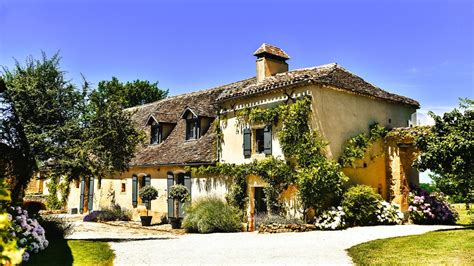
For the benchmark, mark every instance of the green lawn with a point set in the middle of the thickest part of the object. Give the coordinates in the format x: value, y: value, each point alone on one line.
x: 464, y: 217
x: 452, y: 247
x: 74, y: 252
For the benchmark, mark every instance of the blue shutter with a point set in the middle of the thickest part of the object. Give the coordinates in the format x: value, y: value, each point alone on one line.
x: 247, y: 146
x: 267, y: 140
x: 187, y: 184
x: 147, y: 183
x: 91, y: 194
x: 169, y: 183
x: 134, y: 191
x: 81, y: 200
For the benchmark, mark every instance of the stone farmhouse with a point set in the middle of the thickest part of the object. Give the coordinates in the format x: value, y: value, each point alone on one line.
x: 180, y: 133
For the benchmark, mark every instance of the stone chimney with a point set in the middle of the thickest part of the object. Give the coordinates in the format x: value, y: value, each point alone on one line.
x: 270, y: 61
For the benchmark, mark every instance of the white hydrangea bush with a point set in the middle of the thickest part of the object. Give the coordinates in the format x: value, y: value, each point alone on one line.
x: 389, y: 213
x: 332, y: 219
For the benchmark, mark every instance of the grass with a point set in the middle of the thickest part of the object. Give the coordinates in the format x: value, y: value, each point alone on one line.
x: 453, y: 247
x: 74, y: 252
x: 464, y: 217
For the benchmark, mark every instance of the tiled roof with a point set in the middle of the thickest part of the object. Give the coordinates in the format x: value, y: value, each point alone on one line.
x: 330, y: 74
x: 272, y: 50
x: 175, y: 149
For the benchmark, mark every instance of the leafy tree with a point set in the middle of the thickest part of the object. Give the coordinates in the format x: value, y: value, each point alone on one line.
x: 130, y: 94
x: 448, y: 151
x: 79, y: 131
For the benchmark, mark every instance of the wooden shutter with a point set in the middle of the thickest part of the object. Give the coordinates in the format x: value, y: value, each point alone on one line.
x: 81, y: 200
x: 134, y: 191
x: 247, y: 146
x: 169, y: 183
x: 91, y: 194
x: 147, y: 183
x: 267, y: 140
x: 187, y: 184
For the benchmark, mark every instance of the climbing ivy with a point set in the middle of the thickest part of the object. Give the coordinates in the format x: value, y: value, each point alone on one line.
x: 54, y: 186
x: 306, y: 164
x: 356, y: 146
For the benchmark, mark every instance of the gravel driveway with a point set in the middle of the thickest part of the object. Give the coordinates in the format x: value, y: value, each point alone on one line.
x: 317, y: 247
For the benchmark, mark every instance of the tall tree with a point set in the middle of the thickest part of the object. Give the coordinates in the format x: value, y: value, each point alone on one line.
x: 131, y: 94
x: 80, y: 131
x: 448, y: 151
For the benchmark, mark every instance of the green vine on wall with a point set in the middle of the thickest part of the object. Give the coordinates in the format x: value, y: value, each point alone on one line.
x: 357, y: 146
x: 306, y: 164
x: 54, y: 185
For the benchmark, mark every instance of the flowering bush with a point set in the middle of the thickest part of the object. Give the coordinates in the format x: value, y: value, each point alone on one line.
x: 30, y: 233
x: 431, y: 208
x: 332, y: 219
x: 388, y: 213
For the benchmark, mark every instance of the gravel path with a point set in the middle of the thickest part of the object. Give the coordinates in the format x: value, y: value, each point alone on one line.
x: 317, y: 247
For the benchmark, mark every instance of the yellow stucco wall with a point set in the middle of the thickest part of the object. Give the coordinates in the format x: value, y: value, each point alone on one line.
x: 337, y: 115
x: 200, y: 186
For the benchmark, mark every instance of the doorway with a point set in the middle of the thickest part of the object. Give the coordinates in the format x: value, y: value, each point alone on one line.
x: 259, y: 201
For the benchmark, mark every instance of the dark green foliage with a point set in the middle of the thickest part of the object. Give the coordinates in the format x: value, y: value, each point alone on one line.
x: 148, y: 193
x: 80, y: 134
x: 448, y: 151
x: 130, y: 94
x: 179, y: 192
x: 211, y: 214
x: 356, y: 146
x: 321, y: 186
x: 360, y: 203
x: 428, y: 187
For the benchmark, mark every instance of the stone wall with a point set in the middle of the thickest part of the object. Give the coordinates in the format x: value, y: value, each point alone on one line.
x: 285, y: 228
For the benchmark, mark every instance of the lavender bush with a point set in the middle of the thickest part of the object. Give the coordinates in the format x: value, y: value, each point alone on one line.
x: 30, y: 234
x: 332, y: 219
x: 431, y: 208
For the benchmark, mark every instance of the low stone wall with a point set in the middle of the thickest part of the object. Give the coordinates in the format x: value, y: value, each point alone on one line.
x: 284, y: 228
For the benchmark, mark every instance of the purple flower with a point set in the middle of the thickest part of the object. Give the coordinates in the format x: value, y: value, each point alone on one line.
x: 26, y: 256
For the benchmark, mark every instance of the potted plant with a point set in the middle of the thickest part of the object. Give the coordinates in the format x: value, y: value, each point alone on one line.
x: 147, y: 194
x: 179, y: 193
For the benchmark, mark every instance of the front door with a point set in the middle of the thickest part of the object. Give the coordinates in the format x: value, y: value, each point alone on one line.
x: 175, y: 179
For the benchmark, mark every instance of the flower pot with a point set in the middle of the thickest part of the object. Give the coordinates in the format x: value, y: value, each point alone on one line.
x: 175, y: 223
x: 146, y: 220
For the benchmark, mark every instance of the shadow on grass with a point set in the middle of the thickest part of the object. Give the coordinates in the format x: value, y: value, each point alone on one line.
x: 463, y: 227
x: 57, y: 253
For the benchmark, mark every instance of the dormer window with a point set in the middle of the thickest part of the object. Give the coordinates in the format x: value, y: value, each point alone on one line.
x: 192, y: 128
x: 155, y: 136
x: 159, y: 131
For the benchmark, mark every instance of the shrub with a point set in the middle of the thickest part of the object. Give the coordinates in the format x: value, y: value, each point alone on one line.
x: 148, y: 193
x: 322, y: 186
x: 388, y: 213
x: 211, y: 214
x: 431, y: 208
x: 114, y: 213
x: 91, y: 217
x: 360, y: 203
x: 30, y: 233
x: 179, y: 192
x: 332, y: 219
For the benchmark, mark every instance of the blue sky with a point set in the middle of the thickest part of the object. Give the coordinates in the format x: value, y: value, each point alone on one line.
x: 420, y: 49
